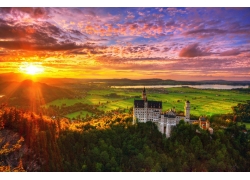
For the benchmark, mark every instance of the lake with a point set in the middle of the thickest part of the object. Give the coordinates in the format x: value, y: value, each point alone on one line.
x: 204, y: 86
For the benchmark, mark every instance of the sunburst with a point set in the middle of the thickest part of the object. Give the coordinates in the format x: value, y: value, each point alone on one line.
x: 32, y: 69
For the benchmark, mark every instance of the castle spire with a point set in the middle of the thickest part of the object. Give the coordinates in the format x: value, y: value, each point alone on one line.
x: 144, y: 96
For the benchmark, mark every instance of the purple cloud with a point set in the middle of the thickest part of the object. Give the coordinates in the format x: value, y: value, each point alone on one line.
x: 193, y: 50
x: 33, y: 12
x: 232, y: 52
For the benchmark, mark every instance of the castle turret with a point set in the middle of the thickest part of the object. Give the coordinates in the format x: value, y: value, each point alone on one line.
x: 161, y: 124
x: 187, y: 110
x: 144, y: 96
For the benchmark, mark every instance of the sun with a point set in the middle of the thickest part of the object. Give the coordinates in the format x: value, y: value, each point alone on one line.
x: 32, y: 69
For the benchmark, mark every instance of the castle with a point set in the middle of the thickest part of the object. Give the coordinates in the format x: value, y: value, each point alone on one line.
x: 145, y: 110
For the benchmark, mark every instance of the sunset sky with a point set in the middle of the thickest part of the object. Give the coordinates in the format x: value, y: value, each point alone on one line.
x: 135, y: 43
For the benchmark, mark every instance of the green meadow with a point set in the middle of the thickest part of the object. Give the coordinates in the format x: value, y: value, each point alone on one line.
x: 247, y: 125
x: 203, y: 101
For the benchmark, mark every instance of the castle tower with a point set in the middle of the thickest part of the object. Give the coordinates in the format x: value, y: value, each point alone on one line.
x: 187, y: 110
x: 161, y: 124
x: 144, y: 96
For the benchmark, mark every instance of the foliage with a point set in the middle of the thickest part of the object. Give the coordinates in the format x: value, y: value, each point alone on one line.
x: 112, y: 143
x: 242, y: 112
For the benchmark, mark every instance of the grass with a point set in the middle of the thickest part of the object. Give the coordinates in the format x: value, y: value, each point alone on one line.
x: 60, y: 102
x: 247, y: 126
x: 203, y: 102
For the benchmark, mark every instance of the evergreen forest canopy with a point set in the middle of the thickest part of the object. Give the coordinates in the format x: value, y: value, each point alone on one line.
x: 242, y: 111
x: 112, y: 143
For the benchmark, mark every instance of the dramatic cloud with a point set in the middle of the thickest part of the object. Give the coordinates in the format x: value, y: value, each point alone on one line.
x: 37, y: 12
x: 206, y: 31
x: 193, y: 50
x: 233, y: 52
x: 57, y: 46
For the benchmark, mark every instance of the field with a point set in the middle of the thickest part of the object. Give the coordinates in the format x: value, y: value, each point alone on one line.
x: 203, y: 102
x: 247, y: 125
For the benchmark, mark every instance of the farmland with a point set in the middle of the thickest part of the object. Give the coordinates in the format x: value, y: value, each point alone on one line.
x: 203, y: 101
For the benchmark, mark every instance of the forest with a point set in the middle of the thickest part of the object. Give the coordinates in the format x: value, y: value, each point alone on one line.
x: 111, y: 143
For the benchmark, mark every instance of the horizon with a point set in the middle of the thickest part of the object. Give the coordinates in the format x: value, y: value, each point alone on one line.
x: 181, y: 44
x: 36, y: 78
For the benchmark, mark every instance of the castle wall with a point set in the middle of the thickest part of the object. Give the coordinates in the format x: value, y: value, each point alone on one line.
x: 147, y: 114
x: 154, y: 115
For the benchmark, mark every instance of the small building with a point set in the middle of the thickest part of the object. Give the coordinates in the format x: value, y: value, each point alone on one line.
x: 205, y: 124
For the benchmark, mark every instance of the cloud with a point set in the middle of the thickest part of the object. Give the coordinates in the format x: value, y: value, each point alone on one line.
x: 193, y: 50
x: 92, y: 13
x: 8, y: 31
x: 232, y: 52
x: 39, y: 36
x: 33, y: 12
x: 38, y: 32
x: 75, y: 32
x: 166, y: 49
x: 172, y: 11
x: 56, y: 46
x: 39, y: 12
x: 206, y: 32
x: 50, y: 29
x: 141, y: 13
x: 130, y: 15
x: 154, y: 49
x: 170, y: 23
x: 14, y: 45
x: 232, y: 28
x: 3, y: 53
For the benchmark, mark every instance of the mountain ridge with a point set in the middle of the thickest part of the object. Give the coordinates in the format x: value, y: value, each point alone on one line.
x: 19, y: 77
x: 31, y: 95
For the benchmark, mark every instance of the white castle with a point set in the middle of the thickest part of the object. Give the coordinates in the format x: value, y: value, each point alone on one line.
x: 145, y: 110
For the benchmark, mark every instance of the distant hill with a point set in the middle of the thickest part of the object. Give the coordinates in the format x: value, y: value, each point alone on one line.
x: 130, y: 82
x: 19, y: 77
x: 62, y: 82
x: 12, y: 77
x: 30, y: 95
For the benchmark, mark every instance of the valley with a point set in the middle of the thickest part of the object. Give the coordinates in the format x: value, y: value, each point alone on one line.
x: 203, y: 101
